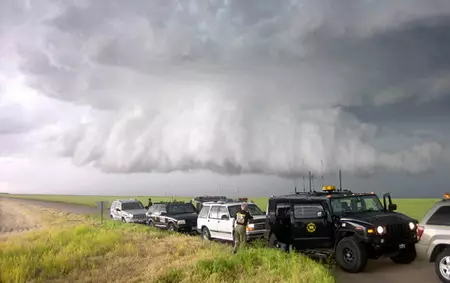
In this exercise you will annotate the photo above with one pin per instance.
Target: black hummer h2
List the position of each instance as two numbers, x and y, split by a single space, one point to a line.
174 216
352 227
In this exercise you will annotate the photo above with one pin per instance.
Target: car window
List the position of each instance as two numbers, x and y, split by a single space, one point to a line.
182 208
307 210
132 205
282 209
204 211
440 217
223 211
214 212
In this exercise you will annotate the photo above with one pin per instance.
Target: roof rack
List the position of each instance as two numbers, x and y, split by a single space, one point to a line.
171 202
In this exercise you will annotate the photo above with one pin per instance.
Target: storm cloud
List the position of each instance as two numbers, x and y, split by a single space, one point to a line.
268 87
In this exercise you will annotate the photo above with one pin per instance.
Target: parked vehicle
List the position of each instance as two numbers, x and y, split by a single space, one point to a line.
352 227
128 210
215 221
434 238
173 216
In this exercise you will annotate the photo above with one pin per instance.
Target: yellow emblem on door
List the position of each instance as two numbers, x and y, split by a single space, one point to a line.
311 227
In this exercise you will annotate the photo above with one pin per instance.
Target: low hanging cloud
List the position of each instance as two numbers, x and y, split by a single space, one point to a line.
233 86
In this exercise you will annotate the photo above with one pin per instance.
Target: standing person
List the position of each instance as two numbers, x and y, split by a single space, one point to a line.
149 203
240 224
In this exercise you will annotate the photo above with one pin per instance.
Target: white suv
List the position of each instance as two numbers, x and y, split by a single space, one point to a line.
128 210
215 221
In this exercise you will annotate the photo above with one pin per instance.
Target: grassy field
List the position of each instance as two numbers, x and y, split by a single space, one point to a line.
73 248
415 208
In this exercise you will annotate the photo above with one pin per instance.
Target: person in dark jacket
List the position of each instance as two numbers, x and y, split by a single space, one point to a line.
149 203
240 225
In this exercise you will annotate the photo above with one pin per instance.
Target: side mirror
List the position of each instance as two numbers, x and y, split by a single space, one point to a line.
117 209
321 214
392 207
224 217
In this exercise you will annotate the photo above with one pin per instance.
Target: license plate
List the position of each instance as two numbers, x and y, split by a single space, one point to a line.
402 246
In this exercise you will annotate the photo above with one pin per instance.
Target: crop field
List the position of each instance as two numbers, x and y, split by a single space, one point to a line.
415 208
67 247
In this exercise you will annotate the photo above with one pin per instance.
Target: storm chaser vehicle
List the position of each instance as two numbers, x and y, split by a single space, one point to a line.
352 227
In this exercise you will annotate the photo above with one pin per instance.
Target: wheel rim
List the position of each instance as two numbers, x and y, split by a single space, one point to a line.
171 228
444 267
348 255
205 235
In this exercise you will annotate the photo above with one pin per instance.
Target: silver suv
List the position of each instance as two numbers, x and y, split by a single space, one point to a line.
434 238
128 210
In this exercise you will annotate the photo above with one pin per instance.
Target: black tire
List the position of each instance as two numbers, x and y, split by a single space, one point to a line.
205 234
351 255
171 227
273 241
444 258
111 216
151 223
405 257
123 220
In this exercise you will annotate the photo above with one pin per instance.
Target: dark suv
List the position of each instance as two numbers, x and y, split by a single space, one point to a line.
174 216
352 227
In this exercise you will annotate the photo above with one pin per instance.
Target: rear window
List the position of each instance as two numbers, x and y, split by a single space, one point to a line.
440 217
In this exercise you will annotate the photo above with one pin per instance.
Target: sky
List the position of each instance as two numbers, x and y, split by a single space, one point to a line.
168 97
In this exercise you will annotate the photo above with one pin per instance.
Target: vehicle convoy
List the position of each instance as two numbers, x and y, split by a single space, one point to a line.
354 227
434 238
215 221
174 216
128 210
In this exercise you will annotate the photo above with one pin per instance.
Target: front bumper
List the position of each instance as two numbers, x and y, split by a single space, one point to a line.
187 228
422 252
137 220
255 234
385 246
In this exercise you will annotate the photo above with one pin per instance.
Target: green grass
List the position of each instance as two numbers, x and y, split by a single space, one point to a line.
118 252
415 208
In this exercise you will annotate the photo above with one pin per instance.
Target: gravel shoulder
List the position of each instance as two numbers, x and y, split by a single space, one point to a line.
16 216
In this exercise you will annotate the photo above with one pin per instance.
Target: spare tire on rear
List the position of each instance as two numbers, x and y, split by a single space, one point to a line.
351 254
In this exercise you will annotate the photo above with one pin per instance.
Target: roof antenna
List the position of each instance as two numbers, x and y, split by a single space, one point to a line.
321 169
340 180
303 176
310 181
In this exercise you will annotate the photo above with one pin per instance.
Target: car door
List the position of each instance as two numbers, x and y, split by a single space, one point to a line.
155 213
225 224
311 227
212 223
113 210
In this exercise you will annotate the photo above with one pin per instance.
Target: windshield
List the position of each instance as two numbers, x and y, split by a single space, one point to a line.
180 208
132 205
354 204
252 208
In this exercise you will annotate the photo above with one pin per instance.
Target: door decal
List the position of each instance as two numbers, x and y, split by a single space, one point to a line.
311 227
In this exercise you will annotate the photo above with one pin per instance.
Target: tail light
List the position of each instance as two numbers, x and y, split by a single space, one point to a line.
420 230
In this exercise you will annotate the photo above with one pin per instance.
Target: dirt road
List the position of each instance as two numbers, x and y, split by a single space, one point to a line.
14 219
16 216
